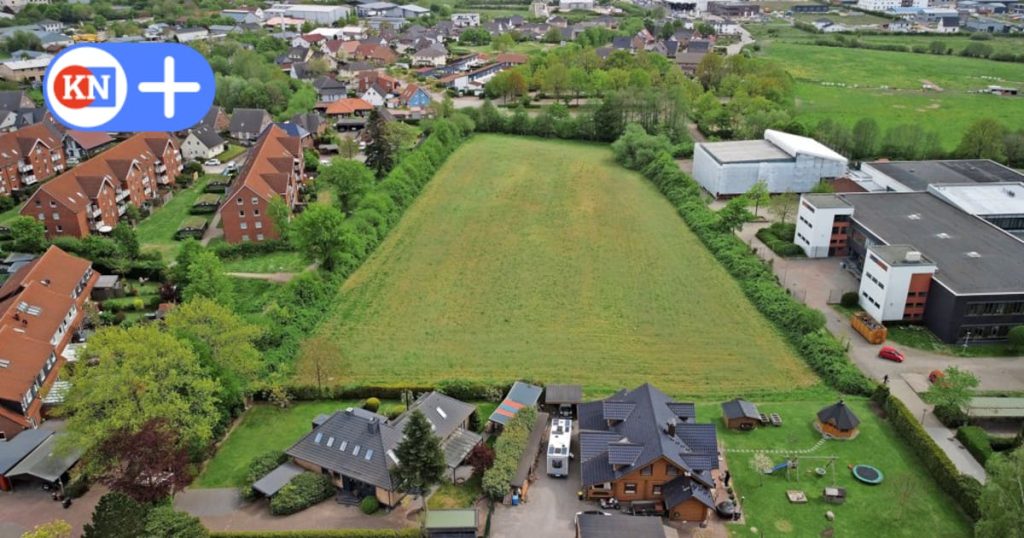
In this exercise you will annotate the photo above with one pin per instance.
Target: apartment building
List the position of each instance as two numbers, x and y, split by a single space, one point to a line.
274 168
92 196
41 307
29 155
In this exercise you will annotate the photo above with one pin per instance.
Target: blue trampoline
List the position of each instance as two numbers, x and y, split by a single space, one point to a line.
867 474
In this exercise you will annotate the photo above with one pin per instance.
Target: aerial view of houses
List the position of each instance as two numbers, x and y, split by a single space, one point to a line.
555 269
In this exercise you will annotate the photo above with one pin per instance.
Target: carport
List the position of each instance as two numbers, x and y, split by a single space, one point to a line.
563 398
13 451
46 463
270 484
457 447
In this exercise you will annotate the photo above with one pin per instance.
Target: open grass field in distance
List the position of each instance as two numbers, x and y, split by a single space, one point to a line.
545 260
888 87
908 502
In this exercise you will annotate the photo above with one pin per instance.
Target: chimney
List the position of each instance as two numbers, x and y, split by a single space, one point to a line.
348 411
372 426
670 428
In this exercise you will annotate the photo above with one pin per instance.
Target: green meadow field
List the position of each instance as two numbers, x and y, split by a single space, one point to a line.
545 260
848 84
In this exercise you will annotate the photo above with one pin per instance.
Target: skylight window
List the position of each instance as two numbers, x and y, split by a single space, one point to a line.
973 254
442 413
319 436
942 235
355 451
330 442
344 445
394 458
369 454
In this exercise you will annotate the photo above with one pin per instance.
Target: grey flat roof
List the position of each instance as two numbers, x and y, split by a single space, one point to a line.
45 462
617 526
14 450
746 151
917 175
276 479
563 394
946 235
996 407
897 254
826 201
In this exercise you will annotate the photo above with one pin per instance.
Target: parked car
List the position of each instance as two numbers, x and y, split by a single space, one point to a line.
890 353
212 162
231 167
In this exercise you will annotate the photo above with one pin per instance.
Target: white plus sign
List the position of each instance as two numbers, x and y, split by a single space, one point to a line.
169 87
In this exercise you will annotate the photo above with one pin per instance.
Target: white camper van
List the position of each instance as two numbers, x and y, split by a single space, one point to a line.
558 447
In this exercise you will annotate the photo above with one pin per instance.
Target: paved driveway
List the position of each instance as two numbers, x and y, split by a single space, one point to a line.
29 506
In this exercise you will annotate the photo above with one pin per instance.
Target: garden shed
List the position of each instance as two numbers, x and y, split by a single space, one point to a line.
450 524
740 415
837 421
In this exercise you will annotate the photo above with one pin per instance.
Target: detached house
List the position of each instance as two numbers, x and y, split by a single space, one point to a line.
274 168
329 89
41 307
434 56
247 124
414 96
643 446
29 155
202 144
356 448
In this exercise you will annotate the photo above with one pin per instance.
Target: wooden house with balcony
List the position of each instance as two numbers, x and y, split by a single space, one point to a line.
641 446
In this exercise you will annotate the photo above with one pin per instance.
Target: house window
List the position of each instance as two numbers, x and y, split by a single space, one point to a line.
245 237
646 471
671 470
53 203
243 225
259 237
255 200
241 213
656 490
60 228
630 488
256 212
42 216
56 216
259 224
239 200
39 203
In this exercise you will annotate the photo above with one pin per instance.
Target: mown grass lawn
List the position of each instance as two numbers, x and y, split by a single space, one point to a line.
271 262
887 86
233 151
156 232
262 429
908 503
544 260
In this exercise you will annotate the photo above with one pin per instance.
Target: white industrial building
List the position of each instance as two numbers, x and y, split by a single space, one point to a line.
320 14
786 162
888 5
891 278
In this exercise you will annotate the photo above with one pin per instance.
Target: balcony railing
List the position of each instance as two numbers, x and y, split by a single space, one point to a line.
121 209
160 167
122 194
29 179
93 212
55 157
24 167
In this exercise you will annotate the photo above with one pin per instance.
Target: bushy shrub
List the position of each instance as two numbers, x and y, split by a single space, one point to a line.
303 491
372 404
507 452
779 238
258 468
464 390
369 505
850 299
966 490
950 416
976 441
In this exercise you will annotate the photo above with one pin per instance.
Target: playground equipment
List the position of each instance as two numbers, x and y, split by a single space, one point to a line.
793 465
867 474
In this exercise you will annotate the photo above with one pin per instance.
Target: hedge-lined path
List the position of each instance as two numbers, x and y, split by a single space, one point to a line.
221 509
817 282
272 277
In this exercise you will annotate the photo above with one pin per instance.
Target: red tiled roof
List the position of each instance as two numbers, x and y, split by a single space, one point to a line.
268 170
347 105
89 139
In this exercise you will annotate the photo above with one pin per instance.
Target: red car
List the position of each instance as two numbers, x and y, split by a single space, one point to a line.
890 353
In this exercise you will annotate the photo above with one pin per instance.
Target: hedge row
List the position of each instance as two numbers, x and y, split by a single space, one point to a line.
802 326
507 453
333 533
966 490
976 441
779 238
303 491
466 391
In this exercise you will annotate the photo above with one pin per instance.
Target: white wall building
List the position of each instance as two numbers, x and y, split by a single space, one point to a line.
821 225
320 14
786 162
569 5
464 20
887 5
891 273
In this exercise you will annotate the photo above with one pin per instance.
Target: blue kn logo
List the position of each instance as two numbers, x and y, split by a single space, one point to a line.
129 87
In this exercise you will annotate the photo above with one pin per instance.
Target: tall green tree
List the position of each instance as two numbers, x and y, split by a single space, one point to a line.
279 215
28 235
783 206
116 516
190 248
866 135
350 180
420 457
758 195
734 214
165 522
1002 499
953 391
984 139
142 373
380 156
206 278
317 234
127 240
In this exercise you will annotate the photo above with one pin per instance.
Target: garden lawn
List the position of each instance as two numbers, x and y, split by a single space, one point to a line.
545 260
908 503
233 151
887 86
262 429
271 262
156 232
448 495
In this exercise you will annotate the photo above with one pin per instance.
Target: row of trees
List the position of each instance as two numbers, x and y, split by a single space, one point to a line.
249 78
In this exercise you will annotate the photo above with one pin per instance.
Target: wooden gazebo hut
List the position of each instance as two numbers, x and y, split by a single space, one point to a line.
837 421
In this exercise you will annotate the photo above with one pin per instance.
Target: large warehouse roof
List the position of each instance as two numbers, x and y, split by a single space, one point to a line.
984 199
917 175
973 256
796 145
746 151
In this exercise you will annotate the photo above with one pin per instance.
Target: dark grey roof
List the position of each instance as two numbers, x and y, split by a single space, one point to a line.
623 452
276 479
444 413
292 129
648 417
45 462
617 526
519 396
354 443
563 394
209 120
622 42
325 83
973 256
208 137
698 45
740 409
917 175
683 488
248 120
310 121
458 445
432 51
14 450
839 415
